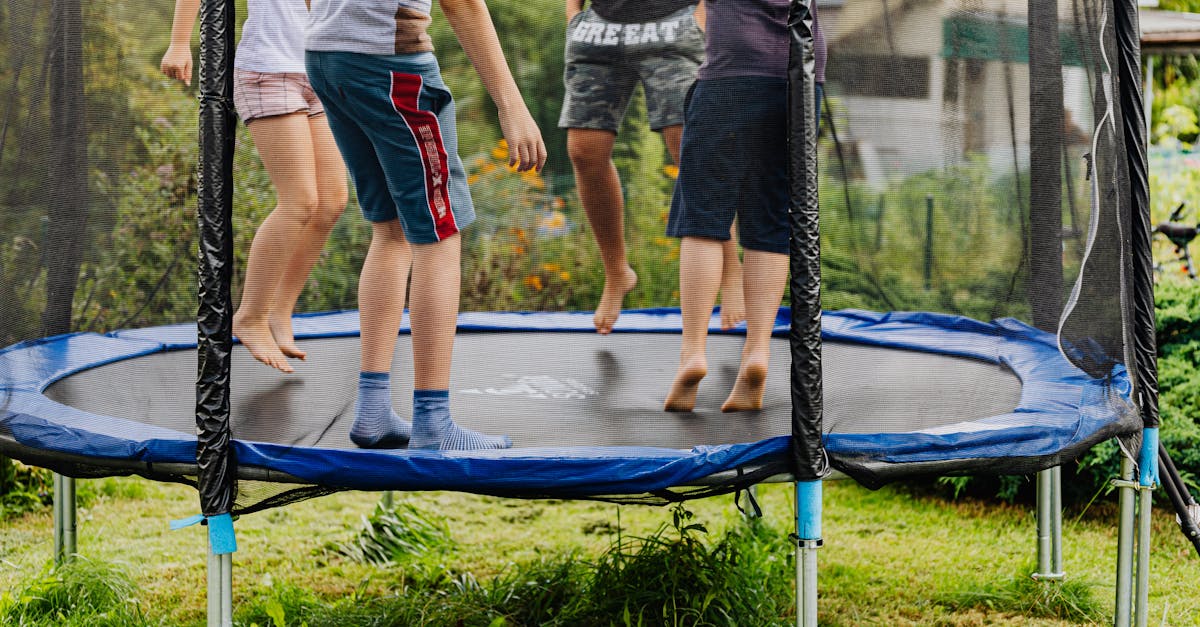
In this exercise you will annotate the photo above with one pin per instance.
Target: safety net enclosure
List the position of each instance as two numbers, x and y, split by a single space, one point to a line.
981 266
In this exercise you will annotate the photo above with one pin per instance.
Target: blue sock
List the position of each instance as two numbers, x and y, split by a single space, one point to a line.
376 424
433 428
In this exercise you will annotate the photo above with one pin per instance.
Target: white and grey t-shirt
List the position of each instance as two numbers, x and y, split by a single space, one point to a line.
369 26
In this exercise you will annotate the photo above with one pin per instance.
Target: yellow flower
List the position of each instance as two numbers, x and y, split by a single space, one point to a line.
672 171
472 179
553 221
564 275
500 152
533 179
551 267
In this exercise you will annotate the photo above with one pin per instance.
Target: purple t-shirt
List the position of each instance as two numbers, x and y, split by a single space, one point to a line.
750 38
636 11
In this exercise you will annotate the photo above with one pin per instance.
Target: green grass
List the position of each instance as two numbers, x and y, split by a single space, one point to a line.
892 557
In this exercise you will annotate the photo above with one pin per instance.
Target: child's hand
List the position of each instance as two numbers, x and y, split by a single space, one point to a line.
177 64
526 150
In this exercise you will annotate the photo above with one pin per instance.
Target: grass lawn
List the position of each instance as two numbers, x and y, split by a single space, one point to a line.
891 557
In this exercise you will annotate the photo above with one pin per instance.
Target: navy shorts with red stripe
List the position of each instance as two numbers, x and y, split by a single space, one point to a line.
393 119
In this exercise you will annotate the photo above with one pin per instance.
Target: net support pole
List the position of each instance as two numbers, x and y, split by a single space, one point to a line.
64 519
220 589
217 468
1147 480
809 459
808 541
1133 535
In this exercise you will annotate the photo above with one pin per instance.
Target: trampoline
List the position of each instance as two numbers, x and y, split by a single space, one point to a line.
985 251
905 394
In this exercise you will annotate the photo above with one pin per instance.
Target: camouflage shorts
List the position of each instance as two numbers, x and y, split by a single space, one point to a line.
606 60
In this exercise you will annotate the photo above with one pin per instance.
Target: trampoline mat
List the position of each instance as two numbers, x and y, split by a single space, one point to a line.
549 389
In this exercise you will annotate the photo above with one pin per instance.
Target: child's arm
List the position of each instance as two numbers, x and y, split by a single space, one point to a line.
573 8
177 62
473 25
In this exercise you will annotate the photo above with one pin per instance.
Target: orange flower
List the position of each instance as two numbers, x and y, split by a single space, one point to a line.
551 267
472 179
533 282
672 171
564 275
533 179
500 152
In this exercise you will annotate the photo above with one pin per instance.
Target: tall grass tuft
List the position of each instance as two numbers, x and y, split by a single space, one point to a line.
1025 596
396 534
674 576
80 592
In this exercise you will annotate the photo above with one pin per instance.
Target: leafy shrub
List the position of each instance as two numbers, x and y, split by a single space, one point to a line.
23 488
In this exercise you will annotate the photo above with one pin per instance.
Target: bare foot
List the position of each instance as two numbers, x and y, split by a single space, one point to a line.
611 300
748 390
256 337
281 332
733 307
682 396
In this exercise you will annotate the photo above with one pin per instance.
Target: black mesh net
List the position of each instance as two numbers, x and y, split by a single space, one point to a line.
972 161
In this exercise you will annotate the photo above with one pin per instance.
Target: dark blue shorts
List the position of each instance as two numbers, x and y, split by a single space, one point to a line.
393 119
734 162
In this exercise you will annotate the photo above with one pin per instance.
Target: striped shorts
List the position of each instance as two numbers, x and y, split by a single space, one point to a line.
393 119
265 94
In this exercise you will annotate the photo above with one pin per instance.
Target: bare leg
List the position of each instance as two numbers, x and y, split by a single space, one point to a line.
436 282
733 303
381 288
766 276
600 193
330 177
699 280
285 146
733 306
434 311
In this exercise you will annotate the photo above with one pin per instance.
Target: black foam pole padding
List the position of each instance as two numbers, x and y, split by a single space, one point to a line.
1133 127
215 315
808 452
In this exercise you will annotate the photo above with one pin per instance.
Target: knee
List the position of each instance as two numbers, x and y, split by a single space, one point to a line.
300 205
586 157
329 209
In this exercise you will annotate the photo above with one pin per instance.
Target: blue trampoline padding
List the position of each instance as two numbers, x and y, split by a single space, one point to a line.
1060 406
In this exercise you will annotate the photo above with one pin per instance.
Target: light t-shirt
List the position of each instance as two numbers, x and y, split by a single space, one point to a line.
370 26
272 36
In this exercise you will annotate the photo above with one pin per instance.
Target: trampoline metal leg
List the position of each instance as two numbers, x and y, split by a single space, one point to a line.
1141 604
1126 490
64 519
1049 525
220 590
808 540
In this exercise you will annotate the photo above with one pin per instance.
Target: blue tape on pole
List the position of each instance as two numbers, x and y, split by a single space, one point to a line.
808 510
176 525
1149 457
221 538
